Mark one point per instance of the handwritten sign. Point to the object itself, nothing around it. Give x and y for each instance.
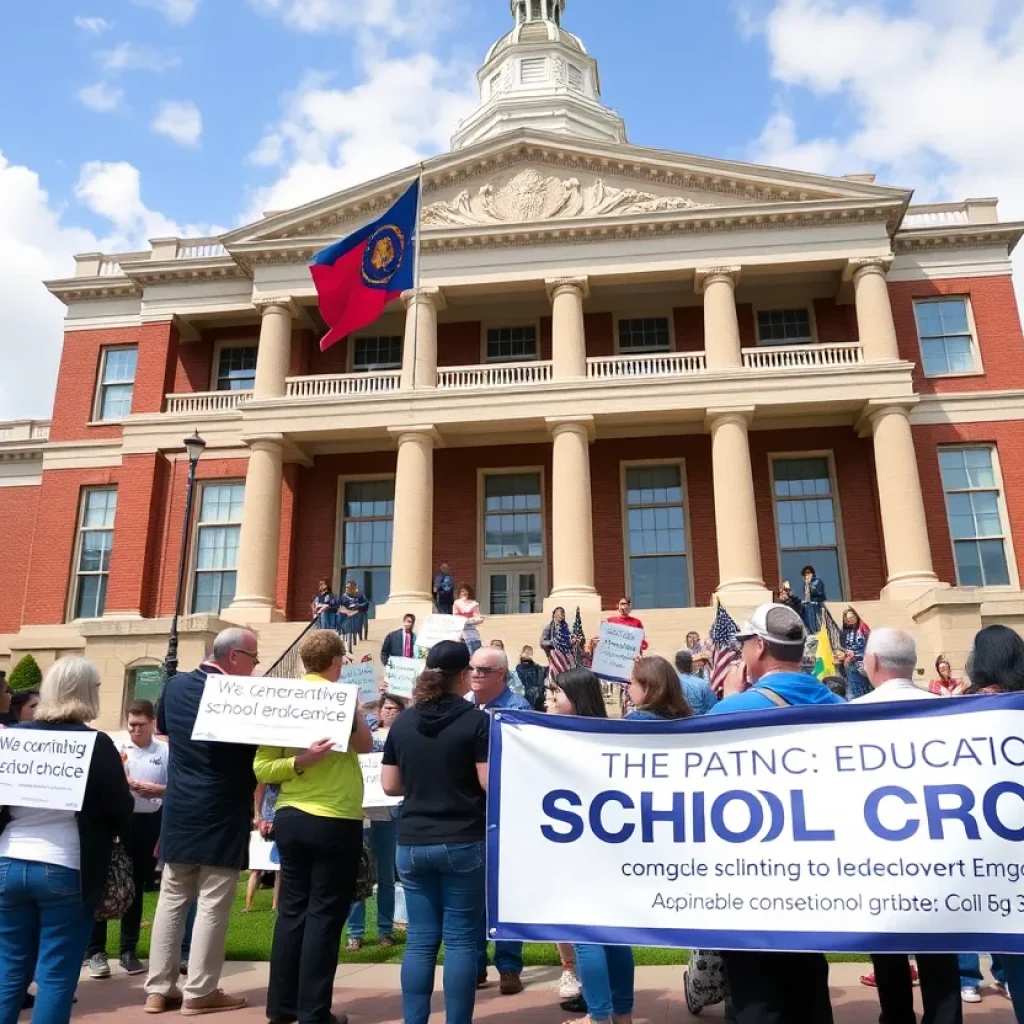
(275, 712)
(401, 675)
(373, 792)
(46, 769)
(438, 628)
(263, 855)
(362, 675)
(617, 649)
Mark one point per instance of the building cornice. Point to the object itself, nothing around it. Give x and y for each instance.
(202, 268)
(76, 289)
(968, 407)
(965, 236)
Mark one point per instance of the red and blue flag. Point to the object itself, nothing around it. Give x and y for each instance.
(358, 276)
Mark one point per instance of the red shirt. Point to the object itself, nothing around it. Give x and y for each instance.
(629, 620)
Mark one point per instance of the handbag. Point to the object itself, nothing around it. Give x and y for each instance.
(120, 889)
(366, 876)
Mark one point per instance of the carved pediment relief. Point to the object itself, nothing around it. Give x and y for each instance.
(530, 195)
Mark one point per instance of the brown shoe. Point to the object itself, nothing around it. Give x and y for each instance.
(511, 983)
(156, 1003)
(216, 1002)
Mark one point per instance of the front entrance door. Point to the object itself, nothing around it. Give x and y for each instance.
(514, 591)
(512, 567)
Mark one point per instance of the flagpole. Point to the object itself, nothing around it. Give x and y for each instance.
(416, 279)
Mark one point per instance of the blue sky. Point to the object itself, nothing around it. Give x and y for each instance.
(152, 117)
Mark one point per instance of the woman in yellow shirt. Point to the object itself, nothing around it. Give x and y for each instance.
(318, 828)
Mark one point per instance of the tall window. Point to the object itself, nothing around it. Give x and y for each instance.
(377, 353)
(644, 334)
(217, 532)
(783, 327)
(806, 517)
(512, 516)
(975, 521)
(656, 537)
(367, 514)
(945, 335)
(117, 382)
(95, 540)
(511, 344)
(236, 368)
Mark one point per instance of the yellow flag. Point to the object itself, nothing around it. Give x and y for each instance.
(825, 664)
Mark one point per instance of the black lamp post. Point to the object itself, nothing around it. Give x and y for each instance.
(194, 445)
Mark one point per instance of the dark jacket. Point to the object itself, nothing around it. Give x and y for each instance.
(394, 645)
(106, 810)
(208, 802)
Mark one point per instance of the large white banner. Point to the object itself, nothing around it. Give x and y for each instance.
(275, 712)
(859, 828)
(45, 768)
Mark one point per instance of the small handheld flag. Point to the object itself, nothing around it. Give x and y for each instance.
(825, 663)
(358, 276)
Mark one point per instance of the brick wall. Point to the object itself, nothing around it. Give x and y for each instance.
(835, 323)
(600, 332)
(689, 326)
(996, 319)
(17, 513)
(458, 344)
(748, 330)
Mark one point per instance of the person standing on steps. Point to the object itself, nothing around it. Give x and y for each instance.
(444, 590)
(400, 643)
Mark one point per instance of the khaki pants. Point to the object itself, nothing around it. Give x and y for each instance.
(180, 885)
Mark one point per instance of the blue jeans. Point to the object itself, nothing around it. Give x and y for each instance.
(44, 929)
(857, 684)
(444, 894)
(606, 974)
(508, 956)
(970, 970)
(384, 840)
(473, 645)
(186, 939)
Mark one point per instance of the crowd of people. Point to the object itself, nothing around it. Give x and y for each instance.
(191, 806)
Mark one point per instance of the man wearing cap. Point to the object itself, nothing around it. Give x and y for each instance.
(776, 986)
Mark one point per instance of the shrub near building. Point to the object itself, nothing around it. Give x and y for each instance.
(26, 675)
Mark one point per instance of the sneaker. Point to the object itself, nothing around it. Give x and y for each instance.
(98, 966)
(869, 980)
(157, 1003)
(568, 984)
(575, 1005)
(970, 994)
(131, 964)
(481, 980)
(511, 983)
(216, 1002)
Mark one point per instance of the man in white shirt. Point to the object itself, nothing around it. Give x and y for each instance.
(889, 663)
(145, 764)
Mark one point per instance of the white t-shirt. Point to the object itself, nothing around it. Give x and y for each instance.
(42, 836)
(145, 764)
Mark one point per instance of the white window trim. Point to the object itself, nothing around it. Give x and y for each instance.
(350, 354)
(625, 465)
(72, 597)
(811, 319)
(647, 315)
(1004, 516)
(484, 565)
(97, 398)
(193, 536)
(979, 368)
(219, 346)
(844, 573)
(494, 325)
(539, 81)
(339, 526)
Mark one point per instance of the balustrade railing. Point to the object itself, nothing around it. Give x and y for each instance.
(342, 384)
(110, 268)
(802, 357)
(191, 250)
(493, 375)
(202, 403)
(660, 364)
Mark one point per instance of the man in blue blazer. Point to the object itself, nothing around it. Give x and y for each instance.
(401, 643)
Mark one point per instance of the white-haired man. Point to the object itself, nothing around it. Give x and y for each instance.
(205, 837)
(889, 663)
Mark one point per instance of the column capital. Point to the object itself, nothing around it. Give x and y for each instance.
(559, 285)
(582, 425)
(431, 294)
(267, 303)
(267, 442)
(742, 414)
(421, 432)
(875, 408)
(703, 276)
(861, 266)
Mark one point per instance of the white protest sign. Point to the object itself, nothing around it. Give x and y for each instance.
(275, 712)
(263, 855)
(373, 793)
(401, 675)
(362, 675)
(438, 628)
(46, 768)
(616, 651)
(886, 827)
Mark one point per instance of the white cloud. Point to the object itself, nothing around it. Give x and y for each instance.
(180, 12)
(114, 191)
(137, 57)
(328, 139)
(93, 26)
(101, 97)
(179, 120)
(410, 19)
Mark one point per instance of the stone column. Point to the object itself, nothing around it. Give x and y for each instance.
(741, 582)
(419, 348)
(572, 522)
(259, 541)
(568, 337)
(413, 525)
(874, 311)
(908, 554)
(274, 354)
(721, 325)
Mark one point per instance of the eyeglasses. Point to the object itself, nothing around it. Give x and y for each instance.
(248, 654)
(483, 670)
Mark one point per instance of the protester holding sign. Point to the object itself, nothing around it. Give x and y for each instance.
(318, 827)
(54, 862)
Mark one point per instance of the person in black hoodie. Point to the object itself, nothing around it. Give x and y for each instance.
(54, 863)
(532, 676)
(436, 757)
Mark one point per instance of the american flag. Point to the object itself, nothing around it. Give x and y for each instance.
(724, 650)
(561, 657)
(579, 638)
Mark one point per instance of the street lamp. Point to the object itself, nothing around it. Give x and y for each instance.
(194, 446)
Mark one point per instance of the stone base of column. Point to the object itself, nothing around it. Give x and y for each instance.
(588, 602)
(743, 594)
(244, 613)
(910, 587)
(400, 605)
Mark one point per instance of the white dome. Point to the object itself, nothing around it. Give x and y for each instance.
(536, 32)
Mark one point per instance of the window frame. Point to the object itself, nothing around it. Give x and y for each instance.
(99, 389)
(193, 532)
(219, 347)
(340, 519)
(495, 325)
(541, 62)
(659, 315)
(350, 355)
(775, 308)
(844, 569)
(627, 464)
(80, 530)
(972, 330)
(1004, 515)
